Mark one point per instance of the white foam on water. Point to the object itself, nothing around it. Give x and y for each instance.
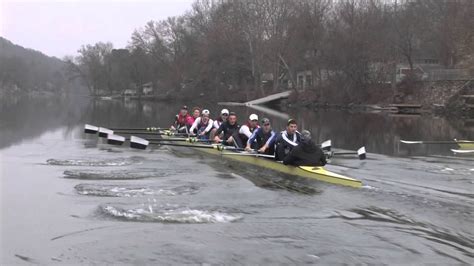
(85, 162)
(171, 216)
(369, 187)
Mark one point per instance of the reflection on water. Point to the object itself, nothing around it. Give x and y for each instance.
(26, 117)
(411, 210)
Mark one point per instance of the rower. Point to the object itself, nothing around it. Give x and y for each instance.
(202, 125)
(196, 113)
(218, 121)
(307, 153)
(229, 130)
(246, 130)
(182, 121)
(287, 140)
(262, 139)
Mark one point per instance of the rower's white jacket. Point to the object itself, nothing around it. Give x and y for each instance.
(217, 124)
(198, 121)
(245, 130)
(294, 141)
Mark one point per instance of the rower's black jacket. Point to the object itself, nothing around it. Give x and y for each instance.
(307, 153)
(229, 130)
(284, 143)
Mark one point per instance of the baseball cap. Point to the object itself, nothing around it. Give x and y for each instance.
(184, 107)
(253, 117)
(205, 112)
(224, 111)
(265, 120)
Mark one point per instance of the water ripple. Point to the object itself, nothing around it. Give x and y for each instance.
(104, 162)
(167, 214)
(461, 242)
(115, 174)
(133, 191)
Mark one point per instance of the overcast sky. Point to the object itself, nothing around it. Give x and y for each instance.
(59, 28)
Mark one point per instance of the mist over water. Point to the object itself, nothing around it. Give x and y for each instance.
(70, 198)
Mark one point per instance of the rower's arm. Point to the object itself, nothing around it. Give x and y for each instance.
(245, 130)
(253, 137)
(271, 140)
(194, 126)
(209, 126)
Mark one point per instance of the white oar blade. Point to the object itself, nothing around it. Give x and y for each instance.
(411, 141)
(90, 129)
(361, 153)
(326, 145)
(138, 143)
(462, 151)
(105, 132)
(115, 140)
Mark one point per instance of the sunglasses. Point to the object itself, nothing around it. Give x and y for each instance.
(224, 114)
(266, 124)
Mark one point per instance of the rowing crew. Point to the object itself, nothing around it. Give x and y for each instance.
(288, 146)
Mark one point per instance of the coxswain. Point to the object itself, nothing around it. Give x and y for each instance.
(183, 121)
(307, 153)
(218, 121)
(246, 130)
(262, 139)
(229, 130)
(202, 125)
(287, 140)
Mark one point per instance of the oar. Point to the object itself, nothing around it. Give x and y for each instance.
(91, 129)
(142, 128)
(326, 145)
(462, 151)
(361, 153)
(435, 142)
(119, 140)
(104, 132)
(249, 154)
(139, 143)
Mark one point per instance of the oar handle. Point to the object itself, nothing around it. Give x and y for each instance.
(142, 128)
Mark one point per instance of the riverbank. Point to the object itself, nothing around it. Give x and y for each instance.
(441, 97)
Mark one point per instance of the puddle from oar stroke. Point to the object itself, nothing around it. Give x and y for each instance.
(154, 213)
(121, 174)
(113, 175)
(104, 162)
(461, 243)
(134, 191)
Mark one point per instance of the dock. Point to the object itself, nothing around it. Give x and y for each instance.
(405, 108)
(263, 100)
(270, 98)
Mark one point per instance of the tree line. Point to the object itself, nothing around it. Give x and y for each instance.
(239, 49)
(25, 70)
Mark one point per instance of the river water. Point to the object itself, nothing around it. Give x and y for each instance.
(69, 198)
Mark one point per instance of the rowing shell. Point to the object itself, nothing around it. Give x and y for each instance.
(318, 173)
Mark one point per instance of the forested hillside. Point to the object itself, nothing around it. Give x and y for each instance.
(25, 70)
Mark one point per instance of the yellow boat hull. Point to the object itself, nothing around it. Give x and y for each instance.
(317, 173)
